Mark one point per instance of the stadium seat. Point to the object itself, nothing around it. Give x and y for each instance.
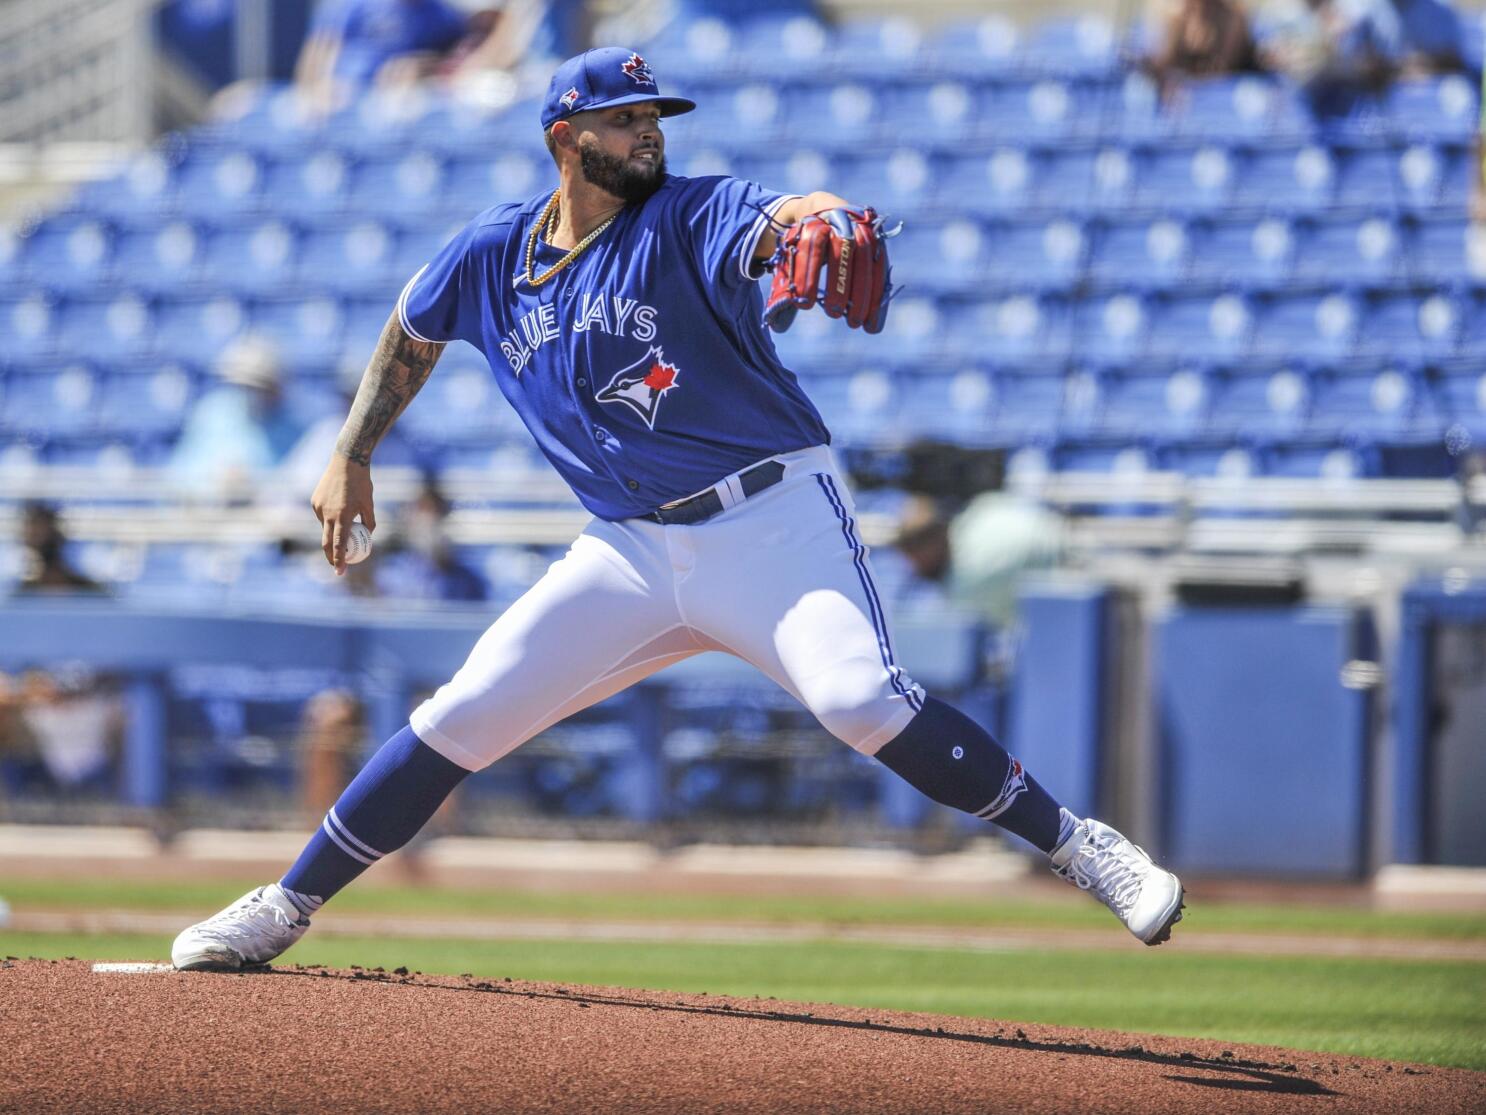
(1115, 457)
(1044, 111)
(841, 116)
(1182, 179)
(1379, 401)
(105, 325)
(858, 408)
(943, 257)
(784, 45)
(956, 404)
(160, 256)
(1199, 325)
(50, 399)
(397, 185)
(1013, 327)
(147, 187)
(1365, 178)
(1462, 393)
(1259, 400)
(310, 327)
(67, 253)
(1220, 458)
(1367, 251)
(893, 182)
(1243, 252)
(1082, 47)
(1446, 250)
(1224, 109)
(195, 328)
(931, 111)
(1138, 401)
(1112, 328)
(1433, 108)
(878, 48)
(309, 185)
(983, 48)
(1432, 175)
(1318, 460)
(349, 256)
(1287, 179)
(1320, 326)
(1039, 254)
(1141, 252)
(1411, 326)
(257, 254)
(149, 401)
(1025, 406)
(1009, 180)
(219, 182)
(1096, 179)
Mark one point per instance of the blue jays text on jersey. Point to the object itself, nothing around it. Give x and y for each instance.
(642, 369)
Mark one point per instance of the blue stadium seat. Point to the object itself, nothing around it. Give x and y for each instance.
(1432, 175)
(1138, 400)
(218, 182)
(50, 399)
(1381, 402)
(194, 328)
(1259, 400)
(381, 120)
(1182, 179)
(1111, 329)
(896, 182)
(68, 253)
(1224, 109)
(859, 408)
(1219, 458)
(1096, 179)
(1472, 335)
(942, 257)
(1017, 326)
(1116, 457)
(308, 184)
(1411, 326)
(105, 325)
(256, 254)
(160, 256)
(1132, 110)
(1320, 326)
(462, 405)
(1044, 111)
(878, 48)
(1008, 180)
(1287, 179)
(784, 45)
(349, 256)
(1041, 254)
(149, 401)
(1082, 47)
(310, 327)
(932, 111)
(1323, 460)
(695, 49)
(363, 318)
(1462, 392)
(843, 115)
(417, 242)
(397, 185)
(30, 318)
(1025, 406)
(1249, 253)
(1433, 108)
(1365, 178)
(1367, 251)
(1199, 325)
(268, 119)
(957, 404)
(982, 48)
(147, 187)
(1141, 252)
(1445, 250)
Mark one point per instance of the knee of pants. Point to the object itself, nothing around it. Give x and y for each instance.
(855, 708)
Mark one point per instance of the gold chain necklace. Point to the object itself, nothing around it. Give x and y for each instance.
(549, 219)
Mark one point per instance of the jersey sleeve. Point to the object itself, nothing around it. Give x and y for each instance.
(444, 300)
(725, 219)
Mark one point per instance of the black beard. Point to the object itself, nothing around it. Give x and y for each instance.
(616, 176)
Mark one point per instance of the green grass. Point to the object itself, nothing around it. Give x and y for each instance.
(1404, 1010)
(1001, 913)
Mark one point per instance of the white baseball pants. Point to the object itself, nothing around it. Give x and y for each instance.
(781, 580)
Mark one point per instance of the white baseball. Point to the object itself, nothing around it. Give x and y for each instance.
(358, 544)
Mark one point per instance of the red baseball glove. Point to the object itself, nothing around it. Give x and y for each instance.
(849, 247)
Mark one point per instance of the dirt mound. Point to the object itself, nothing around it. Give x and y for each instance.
(291, 1039)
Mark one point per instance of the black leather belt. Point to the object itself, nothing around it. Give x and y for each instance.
(700, 508)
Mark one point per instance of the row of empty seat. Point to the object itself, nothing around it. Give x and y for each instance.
(944, 255)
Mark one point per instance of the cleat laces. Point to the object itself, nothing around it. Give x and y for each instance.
(1113, 868)
(248, 921)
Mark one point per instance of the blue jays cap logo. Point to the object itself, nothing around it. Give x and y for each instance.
(642, 385)
(638, 70)
(570, 98)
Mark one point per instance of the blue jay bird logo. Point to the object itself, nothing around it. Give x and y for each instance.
(642, 385)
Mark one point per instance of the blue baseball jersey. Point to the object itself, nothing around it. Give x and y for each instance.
(642, 369)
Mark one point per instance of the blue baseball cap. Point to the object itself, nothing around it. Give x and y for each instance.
(602, 78)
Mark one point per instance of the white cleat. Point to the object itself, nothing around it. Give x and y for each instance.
(1147, 899)
(253, 930)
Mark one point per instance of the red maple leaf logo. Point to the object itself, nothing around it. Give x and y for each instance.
(638, 70)
(662, 376)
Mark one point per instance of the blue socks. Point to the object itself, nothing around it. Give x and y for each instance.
(385, 805)
(949, 757)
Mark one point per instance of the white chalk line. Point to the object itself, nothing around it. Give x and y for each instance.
(133, 969)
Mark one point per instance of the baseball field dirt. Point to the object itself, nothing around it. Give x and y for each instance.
(290, 1039)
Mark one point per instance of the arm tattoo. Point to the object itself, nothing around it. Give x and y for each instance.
(398, 368)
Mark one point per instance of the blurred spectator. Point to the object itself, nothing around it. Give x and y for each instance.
(353, 43)
(332, 737)
(238, 432)
(1413, 37)
(1204, 38)
(422, 565)
(44, 565)
(58, 732)
(977, 558)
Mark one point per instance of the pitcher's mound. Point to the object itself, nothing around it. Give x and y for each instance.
(295, 1039)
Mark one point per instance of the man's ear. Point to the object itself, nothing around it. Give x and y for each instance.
(565, 135)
